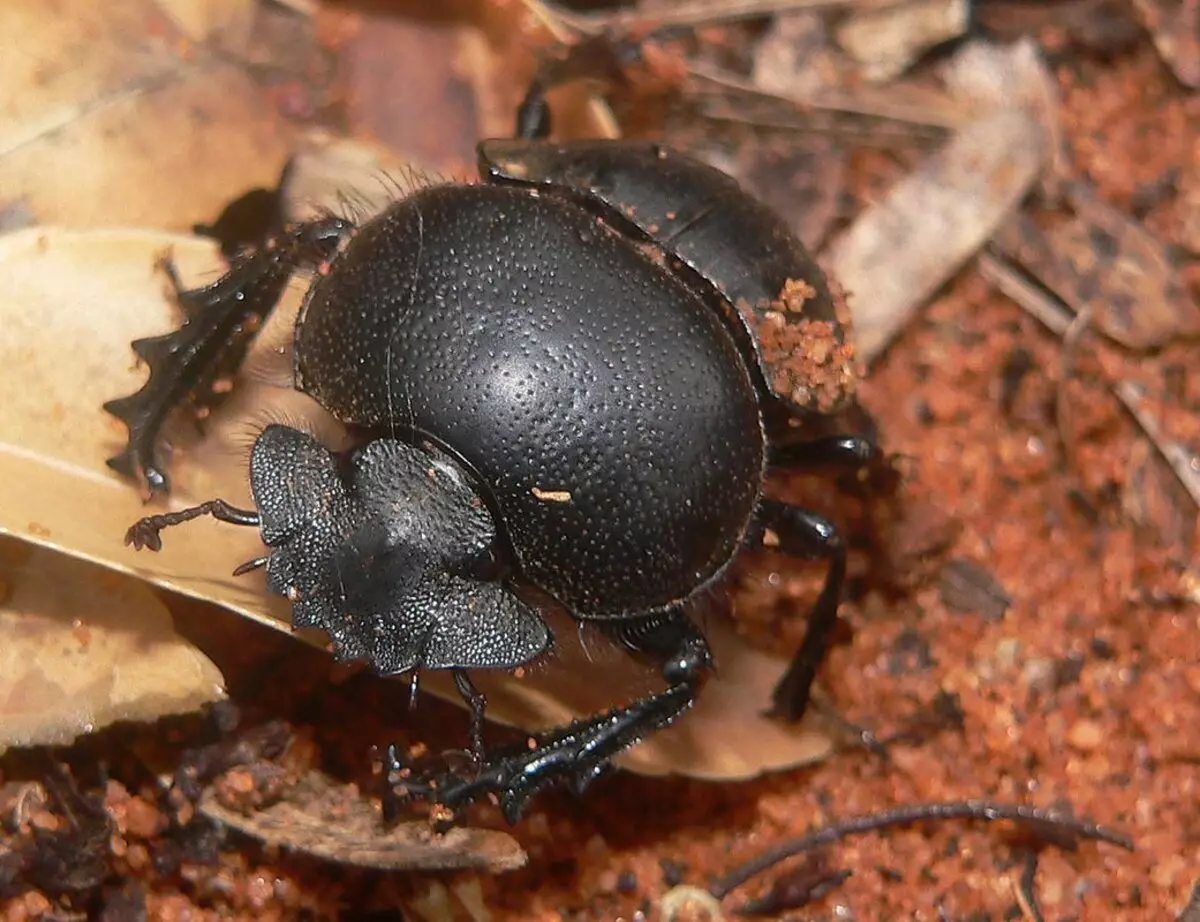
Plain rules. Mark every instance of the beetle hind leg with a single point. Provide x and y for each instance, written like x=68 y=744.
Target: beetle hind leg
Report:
x=579 y=753
x=802 y=533
x=220 y=322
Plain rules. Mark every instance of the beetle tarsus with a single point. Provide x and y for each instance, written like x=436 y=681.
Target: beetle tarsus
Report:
x=145 y=533
x=221 y=321
x=578 y=754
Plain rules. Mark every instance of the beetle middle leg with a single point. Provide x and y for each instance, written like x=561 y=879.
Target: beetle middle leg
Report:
x=580 y=752
x=220 y=322
x=802 y=533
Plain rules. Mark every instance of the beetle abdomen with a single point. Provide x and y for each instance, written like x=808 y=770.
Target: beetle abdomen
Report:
x=606 y=410
x=795 y=321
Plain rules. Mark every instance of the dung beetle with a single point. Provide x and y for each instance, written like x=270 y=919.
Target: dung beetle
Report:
x=569 y=380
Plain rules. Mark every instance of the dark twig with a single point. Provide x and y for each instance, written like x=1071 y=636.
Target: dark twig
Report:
x=813 y=880
x=1026 y=892
x=1058 y=825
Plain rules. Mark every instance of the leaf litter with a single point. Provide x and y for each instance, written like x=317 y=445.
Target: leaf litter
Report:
x=109 y=114
x=82 y=648
x=951 y=122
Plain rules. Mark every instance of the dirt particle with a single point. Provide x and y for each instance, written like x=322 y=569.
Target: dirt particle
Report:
x=809 y=361
x=552 y=496
x=1086 y=735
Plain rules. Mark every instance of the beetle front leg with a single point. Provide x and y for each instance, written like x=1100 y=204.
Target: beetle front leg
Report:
x=580 y=752
x=144 y=533
x=802 y=533
x=220 y=322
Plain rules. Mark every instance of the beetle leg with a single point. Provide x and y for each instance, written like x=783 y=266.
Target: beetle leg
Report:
x=844 y=451
x=477 y=702
x=580 y=752
x=802 y=533
x=145 y=532
x=533 y=114
x=601 y=56
x=221 y=320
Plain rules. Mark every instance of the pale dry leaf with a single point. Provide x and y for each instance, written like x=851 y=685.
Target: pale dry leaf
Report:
x=82 y=647
x=1175 y=27
x=347 y=176
x=322 y=818
x=110 y=116
x=202 y=20
x=984 y=76
x=73 y=302
x=888 y=40
x=901 y=250
x=795 y=56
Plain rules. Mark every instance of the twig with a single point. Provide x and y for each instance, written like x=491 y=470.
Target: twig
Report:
x=693 y=13
x=1076 y=330
x=1185 y=464
x=938 y=112
x=885 y=134
x=1026 y=892
x=1041 y=306
x=920 y=813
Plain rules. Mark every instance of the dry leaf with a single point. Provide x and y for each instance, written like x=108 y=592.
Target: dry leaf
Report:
x=74 y=300
x=889 y=39
x=346 y=176
x=900 y=251
x=111 y=117
x=201 y=20
x=332 y=821
x=1102 y=261
x=796 y=58
x=81 y=648
x=1175 y=27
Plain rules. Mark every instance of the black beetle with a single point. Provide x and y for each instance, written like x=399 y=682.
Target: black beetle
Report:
x=571 y=379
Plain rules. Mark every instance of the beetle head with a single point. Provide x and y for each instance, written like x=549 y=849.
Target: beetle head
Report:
x=377 y=546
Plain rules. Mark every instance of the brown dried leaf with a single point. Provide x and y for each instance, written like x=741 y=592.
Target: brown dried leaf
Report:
x=901 y=250
x=331 y=821
x=1155 y=501
x=1175 y=28
x=1100 y=260
x=114 y=100
x=968 y=587
x=74 y=300
x=81 y=648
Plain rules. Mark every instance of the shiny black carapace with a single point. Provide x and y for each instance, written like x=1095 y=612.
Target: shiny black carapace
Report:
x=569 y=380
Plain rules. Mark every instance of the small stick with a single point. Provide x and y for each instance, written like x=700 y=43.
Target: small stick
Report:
x=907 y=816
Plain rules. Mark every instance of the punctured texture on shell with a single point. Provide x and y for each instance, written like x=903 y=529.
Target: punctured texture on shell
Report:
x=606 y=411
x=369 y=545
